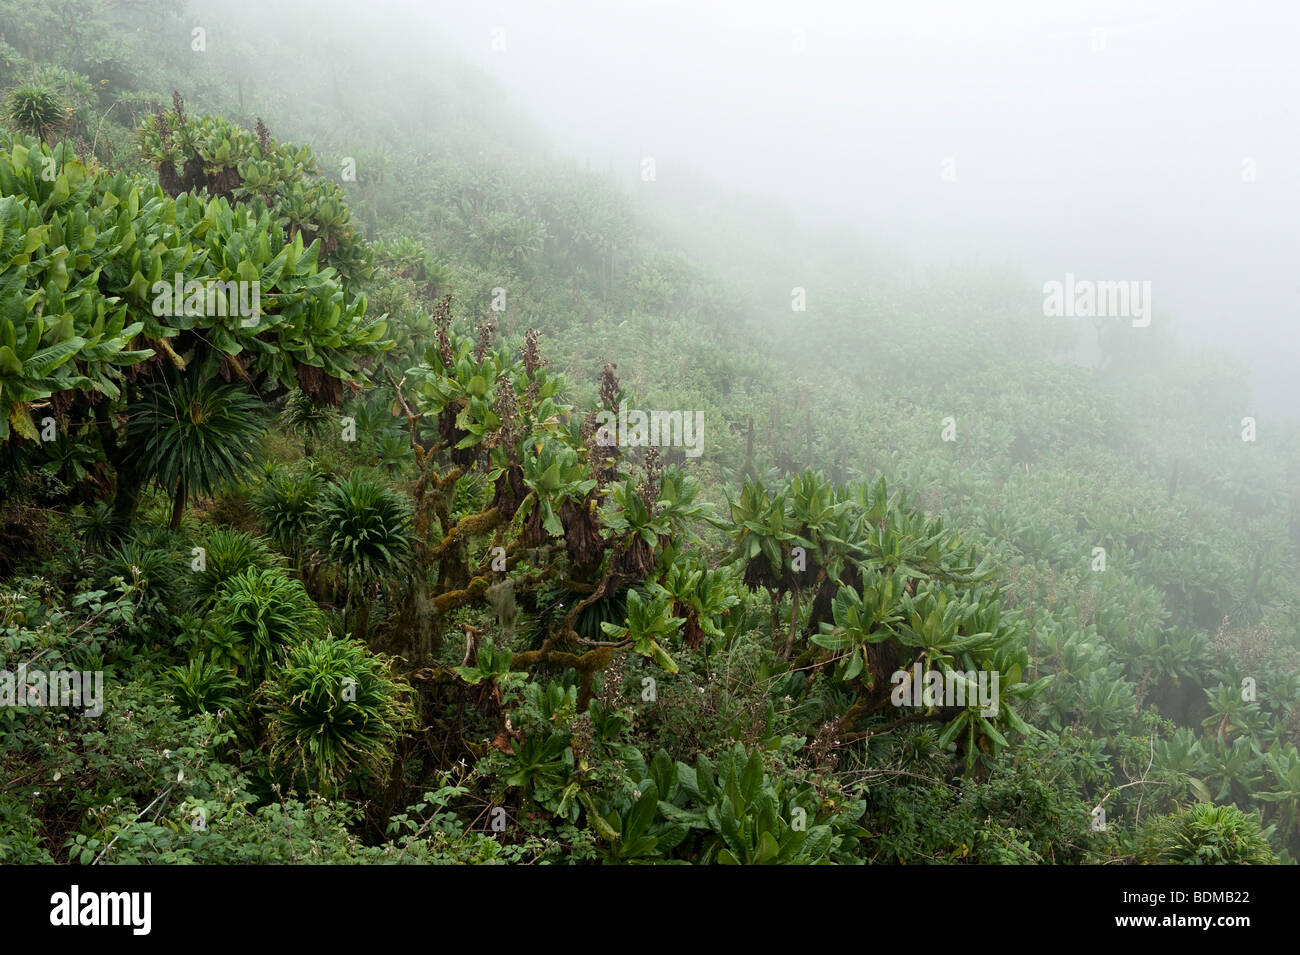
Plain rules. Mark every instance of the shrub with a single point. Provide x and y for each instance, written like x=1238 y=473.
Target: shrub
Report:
x=304 y=416
x=20 y=836
x=99 y=530
x=37 y=110
x=226 y=553
x=286 y=505
x=259 y=614
x=150 y=567
x=1206 y=834
x=334 y=708
x=203 y=686
x=365 y=529
x=196 y=436
x=151 y=571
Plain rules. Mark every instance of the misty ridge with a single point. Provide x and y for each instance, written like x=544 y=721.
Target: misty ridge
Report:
x=709 y=433
x=1073 y=163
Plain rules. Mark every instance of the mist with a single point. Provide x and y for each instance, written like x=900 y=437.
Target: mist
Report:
x=661 y=433
x=1116 y=141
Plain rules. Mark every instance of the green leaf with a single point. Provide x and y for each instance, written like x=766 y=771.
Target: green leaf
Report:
x=662 y=658
x=45 y=361
x=991 y=731
x=10 y=364
x=854 y=666
x=951 y=731
x=21 y=419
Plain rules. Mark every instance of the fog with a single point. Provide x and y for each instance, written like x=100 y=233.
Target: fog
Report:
x=886 y=412
x=1116 y=141
x=1127 y=141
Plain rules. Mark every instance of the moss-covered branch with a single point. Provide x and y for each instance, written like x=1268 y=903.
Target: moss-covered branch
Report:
x=471 y=526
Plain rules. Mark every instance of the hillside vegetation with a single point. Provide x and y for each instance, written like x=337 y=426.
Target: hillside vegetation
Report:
x=366 y=582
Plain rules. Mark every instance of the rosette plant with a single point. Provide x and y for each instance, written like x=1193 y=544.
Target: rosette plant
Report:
x=334 y=710
x=195 y=436
x=37 y=110
x=364 y=529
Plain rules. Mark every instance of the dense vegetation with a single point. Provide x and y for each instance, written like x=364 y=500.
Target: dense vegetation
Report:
x=366 y=584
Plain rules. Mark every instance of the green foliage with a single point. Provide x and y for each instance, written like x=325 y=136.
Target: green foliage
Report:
x=490 y=664
x=1026 y=813
x=556 y=475
x=148 y=571
x=1206 y=834
x=196 y=436
x=1122 y=687
x=210 y=153
x=59 y=237
x=286 y=505
x=650 y=624
x=364 y=529
x=75 y=242
x=304 y=416
x=225 y=553
x=37 y=111
x=217 y=831
x=204 y=686
x=257 y=616
x=334 y=709
x=673 y=511
x=20 y=835
x=706 y=596
x=747 y=818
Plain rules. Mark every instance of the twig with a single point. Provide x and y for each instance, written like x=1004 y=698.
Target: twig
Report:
x=101 y=125
x=104 y=850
